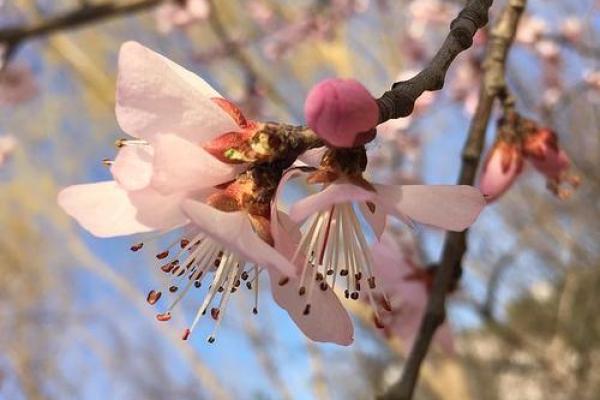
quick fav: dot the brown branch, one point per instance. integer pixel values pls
(455, 247)
(400, 100)
(72, 19)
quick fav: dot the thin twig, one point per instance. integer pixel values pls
(72, 19)
(493, 85)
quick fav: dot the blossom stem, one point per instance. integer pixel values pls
(454, 249)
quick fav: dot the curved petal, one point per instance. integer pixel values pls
(180, 165)
(335, 193)
(328, 321)
(155, 95)
(375, 217)
(234, 231)
(450, 207)
(132, 167)
(312, 157)
(105, 209)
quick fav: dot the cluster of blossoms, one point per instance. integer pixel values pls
(519, 139)
(180, 13)
(196, 164)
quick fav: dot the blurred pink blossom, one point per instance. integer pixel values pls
(342, 112)
(8, 144)
(531, 29)
(180, 13)
(406, 284)
(572, 28)
(17, 84)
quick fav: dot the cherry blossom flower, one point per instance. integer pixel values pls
(407, 286)
(17, 84)
(180, 13)
(333, 250)
(164, 179)
(8, 144)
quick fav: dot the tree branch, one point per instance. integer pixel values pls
(72, 19)
(400, 100)
(493, 86)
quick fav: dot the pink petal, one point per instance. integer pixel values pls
(335, 193)
(328, 321)
(155, 95)
(105, 209)
(286, 234)
(448, 207)
(376, 219)
(312, 157)
(234, 231)
(180, 165)
(132, 167)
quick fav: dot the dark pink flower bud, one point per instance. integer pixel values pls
(502, 166)
(342, 112)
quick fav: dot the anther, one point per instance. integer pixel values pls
(254, 310)
(301, 290)
(186, 334)
(347, 293)
(354, 296)
(358, 276)
(343, 272)
(153, 297)
(319, 277)
(371, 282)
(323, 286)
(244, 275)
(183, 243)
(107, 162)
(162, 255)
(330, 272)
(283, 281)
(249, 285)
(137, 246)
(197, 284)
(385, 303)
(306, 310)
(173, 289)
(377, 322)
(211, 339)
(214, 313)
(163, 317)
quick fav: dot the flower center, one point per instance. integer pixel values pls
(333, 246)
(197, 258)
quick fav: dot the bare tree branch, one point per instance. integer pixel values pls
(494, 85)
(72, 19)
(400, 101)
